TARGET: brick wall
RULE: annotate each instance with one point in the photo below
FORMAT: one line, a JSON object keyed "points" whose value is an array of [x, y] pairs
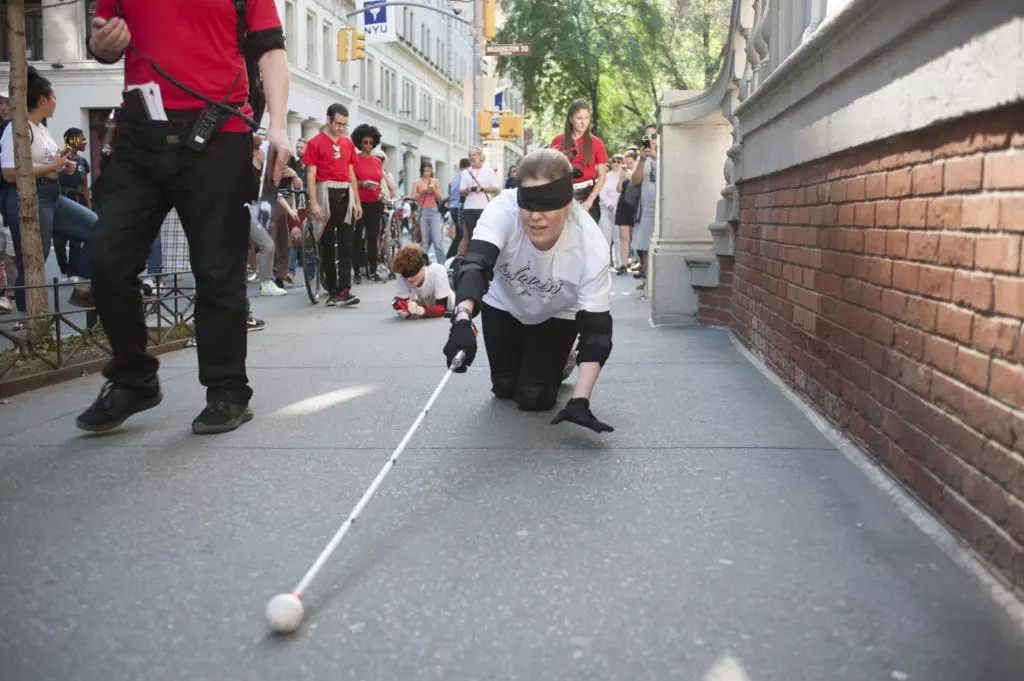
{"points": [[715, 304], [886, 285]]}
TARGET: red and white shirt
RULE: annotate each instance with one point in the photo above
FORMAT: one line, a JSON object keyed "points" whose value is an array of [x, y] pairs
{"points": [[600, 155], [196, 41], [331, 158]]}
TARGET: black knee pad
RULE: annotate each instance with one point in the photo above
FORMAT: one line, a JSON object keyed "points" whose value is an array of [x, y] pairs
{"points": [[503, 386], [535, 397]]}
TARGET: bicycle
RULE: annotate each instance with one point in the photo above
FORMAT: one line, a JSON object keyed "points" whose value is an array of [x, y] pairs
{"points": [[309, 251]]}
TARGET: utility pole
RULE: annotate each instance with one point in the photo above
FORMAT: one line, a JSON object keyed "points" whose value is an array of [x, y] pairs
{"points": [[28, 203], [478, 55]]}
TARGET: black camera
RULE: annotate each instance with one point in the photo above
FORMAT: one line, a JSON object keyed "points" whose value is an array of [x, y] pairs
{"points": [[647, 142]]}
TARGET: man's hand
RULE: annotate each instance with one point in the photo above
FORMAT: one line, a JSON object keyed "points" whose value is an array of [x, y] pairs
{"points": [[109, 38], [462, 337], [318, 212], [60, 162], [577, 410], [278, 144], [649, 153], [588, 204], [358, 211]]}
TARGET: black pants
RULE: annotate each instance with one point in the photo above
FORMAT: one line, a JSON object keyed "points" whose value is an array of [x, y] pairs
{"points": [[366, 253], [67, 262], [336, 243], [470, 216], [526, 360], [582, 195], [453, 247], [149, 173]]}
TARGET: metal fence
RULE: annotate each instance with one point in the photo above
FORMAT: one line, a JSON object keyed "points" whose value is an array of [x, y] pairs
{"points": [[72, 341]]}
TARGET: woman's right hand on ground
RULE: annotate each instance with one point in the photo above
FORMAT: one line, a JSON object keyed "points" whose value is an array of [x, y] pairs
{"points": [[462, 337], [318, 213]]}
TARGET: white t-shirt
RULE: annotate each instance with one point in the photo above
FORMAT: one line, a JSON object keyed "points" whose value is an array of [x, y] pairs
{"points": [[485, 177], [435, 287], [44, 148], [534, 286]]}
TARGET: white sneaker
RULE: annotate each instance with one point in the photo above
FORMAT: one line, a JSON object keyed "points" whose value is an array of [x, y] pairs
{"points": [[269, 288], [5, 305]]}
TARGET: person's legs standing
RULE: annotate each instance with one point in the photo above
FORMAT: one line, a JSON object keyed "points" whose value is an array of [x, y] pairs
{"points": [[430, 224], [280, 233], [469, 220], [546, 347], [216, 226], [77, 224], [503, 340], [329, 259], [60, 251], [261, 239], [453, 248], [338, 200], [359, 248], [133, 210], [371, 226], [624, 231], [10, 199]]}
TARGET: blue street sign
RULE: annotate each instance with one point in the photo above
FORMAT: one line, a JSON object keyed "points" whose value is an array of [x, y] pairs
{"points": [[378, 17]]}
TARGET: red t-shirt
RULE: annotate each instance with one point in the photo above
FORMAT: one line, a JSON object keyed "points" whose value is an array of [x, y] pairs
{"points": [[600, 155], [331, 158], [369, 169], [196, 41]]}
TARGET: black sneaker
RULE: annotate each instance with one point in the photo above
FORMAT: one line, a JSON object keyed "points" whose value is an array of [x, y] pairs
{"points": [[221, 417], [279, 282], [81, 296], [621, 269], [332, 300], [346, 299], [374, 277], [253, 324], [115, 404]]}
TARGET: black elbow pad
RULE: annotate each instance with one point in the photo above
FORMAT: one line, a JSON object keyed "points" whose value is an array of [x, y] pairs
{"points": [[259, 42], [595, 336], [475, 272]]}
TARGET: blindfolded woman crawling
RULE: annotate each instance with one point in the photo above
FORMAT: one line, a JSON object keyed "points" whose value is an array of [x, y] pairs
{"points": [[536, 272]]}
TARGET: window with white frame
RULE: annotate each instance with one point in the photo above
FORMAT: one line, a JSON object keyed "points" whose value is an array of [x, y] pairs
{"points": [[371, 80], [329, 71], [291, 27]]}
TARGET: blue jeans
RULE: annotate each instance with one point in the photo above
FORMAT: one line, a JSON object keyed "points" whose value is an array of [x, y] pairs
{"points": [[155, 263], [57, 215], [430, 226]]}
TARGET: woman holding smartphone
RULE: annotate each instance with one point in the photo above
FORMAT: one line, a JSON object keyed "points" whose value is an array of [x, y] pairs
{"points": [[427, 192], [369, 176]]}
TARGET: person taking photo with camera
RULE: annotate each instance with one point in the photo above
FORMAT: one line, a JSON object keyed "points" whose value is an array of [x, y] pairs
{"points": [[588, 156]]}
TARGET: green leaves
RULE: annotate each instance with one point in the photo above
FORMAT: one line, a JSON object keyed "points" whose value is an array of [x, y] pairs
{"points": [[620, 55]]}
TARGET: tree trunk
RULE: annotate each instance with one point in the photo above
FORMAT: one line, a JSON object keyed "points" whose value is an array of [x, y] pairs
{"points": [[28, 205]]}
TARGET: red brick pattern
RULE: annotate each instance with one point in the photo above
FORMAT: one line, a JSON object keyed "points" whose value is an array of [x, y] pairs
{"points": [[716, 304], [886, 285]]}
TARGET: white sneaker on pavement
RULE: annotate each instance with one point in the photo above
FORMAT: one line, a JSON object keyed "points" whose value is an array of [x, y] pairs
{"points": [[269, 288]]}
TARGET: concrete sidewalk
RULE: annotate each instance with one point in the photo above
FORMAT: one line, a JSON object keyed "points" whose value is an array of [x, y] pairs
{"points": [[716, 528]]}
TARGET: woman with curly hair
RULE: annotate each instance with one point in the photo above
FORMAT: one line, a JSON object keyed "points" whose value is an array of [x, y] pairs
{"points": [[423, 289], [369, 176]]}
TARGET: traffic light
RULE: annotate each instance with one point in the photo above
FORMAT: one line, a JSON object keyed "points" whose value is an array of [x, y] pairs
{"points": [[489, 29], [343, 44], [358, 44], [510, 126], [484, 122]]}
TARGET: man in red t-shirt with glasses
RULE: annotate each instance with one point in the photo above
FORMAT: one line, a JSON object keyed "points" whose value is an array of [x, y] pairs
{"points": [[190, 55], [331, 183]]}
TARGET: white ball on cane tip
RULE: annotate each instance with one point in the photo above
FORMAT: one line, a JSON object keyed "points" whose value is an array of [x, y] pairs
{"points": [[285, 611]]}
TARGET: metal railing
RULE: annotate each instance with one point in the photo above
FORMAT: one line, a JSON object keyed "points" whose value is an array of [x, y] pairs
{"points": [[73, 341]]}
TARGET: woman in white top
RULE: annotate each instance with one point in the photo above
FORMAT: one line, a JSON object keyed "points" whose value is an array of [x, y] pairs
{"points": [[537, 272], [57, 214]]}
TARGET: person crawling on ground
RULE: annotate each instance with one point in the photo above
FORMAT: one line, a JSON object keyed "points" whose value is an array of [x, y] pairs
{"points": [[423, 288]]}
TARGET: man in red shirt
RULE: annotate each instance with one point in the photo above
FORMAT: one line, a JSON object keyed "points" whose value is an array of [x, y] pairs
{"points": [[205, 175], [331, 180]]}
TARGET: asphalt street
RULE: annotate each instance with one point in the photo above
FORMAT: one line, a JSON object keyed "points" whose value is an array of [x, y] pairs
{"points": [[715, 535]]}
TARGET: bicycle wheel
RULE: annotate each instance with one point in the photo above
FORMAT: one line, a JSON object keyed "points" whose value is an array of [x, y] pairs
{"points": [[311, 263]]}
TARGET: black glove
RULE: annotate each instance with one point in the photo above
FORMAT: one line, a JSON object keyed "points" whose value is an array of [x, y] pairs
{"points": [[578, 411], [461, 337]]}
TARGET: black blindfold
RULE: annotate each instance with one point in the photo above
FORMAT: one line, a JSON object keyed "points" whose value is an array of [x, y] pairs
{"points": [[547, 197]]}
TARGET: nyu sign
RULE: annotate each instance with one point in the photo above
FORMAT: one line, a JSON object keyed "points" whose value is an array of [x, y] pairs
{"points": [[378, 22]]}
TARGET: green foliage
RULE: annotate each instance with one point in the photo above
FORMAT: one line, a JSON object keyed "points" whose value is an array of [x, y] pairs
{"points": [[620, 55]]}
